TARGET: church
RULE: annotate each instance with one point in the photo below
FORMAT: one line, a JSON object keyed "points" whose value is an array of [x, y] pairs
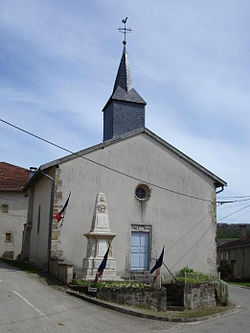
{"points": [[133, 193]]}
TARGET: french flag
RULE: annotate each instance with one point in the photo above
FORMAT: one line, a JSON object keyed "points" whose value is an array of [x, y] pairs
{"points": [[157, 266], [102, 266], [61, 214]]}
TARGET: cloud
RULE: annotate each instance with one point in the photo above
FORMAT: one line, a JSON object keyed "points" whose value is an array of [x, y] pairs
{"points": [[189, 60]]}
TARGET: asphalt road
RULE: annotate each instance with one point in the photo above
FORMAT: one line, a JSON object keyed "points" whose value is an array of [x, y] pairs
{"points": [[28, 305]]}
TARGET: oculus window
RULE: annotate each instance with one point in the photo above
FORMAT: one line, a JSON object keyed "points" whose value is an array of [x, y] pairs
{"points": [[142, 192]]}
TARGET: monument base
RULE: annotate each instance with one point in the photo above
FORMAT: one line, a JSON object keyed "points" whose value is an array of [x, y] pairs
{"points": [[90, 266]]}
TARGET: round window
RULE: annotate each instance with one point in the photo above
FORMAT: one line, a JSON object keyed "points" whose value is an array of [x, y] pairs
{"points": [[142, 192]]}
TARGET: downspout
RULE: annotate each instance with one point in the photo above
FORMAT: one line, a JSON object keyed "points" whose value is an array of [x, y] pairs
{"points": [[222, 189], [50, 216]]}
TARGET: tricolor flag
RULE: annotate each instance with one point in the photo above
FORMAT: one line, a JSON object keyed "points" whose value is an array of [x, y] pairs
{"points": [[102, 266], [157, 266], [61, 214]]}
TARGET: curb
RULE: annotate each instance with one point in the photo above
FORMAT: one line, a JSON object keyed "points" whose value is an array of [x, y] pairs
{"points": [[140, 314]]}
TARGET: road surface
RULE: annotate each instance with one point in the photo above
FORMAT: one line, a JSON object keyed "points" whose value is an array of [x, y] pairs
{"points": [[29, 305]]}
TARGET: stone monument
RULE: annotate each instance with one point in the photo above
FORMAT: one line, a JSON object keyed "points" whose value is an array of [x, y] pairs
{"points": [[99, 238]]}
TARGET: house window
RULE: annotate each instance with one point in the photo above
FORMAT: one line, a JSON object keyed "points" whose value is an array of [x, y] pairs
{"points": [[8, 237], [5, 209], [38, 218], [142, 192]]}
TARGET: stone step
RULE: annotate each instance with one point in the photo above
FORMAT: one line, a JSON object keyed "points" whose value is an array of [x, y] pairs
{"points": [[175, 308]]}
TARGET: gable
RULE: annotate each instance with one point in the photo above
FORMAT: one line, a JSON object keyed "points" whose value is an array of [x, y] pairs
{"points": [[118, 140]]}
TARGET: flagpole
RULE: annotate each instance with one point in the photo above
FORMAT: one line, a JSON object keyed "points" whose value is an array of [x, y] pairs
{"points": [[169, 271]]}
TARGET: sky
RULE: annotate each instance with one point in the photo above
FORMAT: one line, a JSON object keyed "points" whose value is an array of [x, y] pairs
{"points": [[188, 59]]}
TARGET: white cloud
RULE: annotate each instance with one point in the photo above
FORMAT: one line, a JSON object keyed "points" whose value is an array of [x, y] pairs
{"points": [[189, 60]]}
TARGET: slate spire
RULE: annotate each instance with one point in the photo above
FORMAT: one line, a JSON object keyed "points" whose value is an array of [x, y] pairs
{"points": [[125, 109], [123, 78], [123, 88]]}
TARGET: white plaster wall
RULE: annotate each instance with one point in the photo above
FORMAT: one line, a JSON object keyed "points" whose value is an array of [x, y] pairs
{"points": [[184, 225], [39, 241], [13, 221]]}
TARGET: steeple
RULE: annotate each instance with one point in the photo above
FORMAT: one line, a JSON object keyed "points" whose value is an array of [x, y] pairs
{"points": [[125, 109], [123, 88], [123, 78]]}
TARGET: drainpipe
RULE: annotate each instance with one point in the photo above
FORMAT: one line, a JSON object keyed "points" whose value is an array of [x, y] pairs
{"points": [[50, 215], [222, 189]]}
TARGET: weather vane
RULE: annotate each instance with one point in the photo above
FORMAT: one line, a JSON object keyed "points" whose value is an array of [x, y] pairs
{"points": [[124, 30]]}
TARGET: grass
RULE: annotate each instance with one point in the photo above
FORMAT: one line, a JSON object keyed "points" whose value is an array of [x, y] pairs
{"points": [[196, 313], [242, 284], [206, 312], [228, 239]]}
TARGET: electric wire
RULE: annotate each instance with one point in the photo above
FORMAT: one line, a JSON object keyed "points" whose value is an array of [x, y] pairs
{"points": [[190, 249], [224, 217], [184, 235], [102, 165], [221, 202], [235, 197], [230, 207]]}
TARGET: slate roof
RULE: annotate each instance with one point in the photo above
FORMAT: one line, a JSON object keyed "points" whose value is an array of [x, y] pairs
{"points": [[245, 242], [218, 181], [12, 177], [123, 89]]}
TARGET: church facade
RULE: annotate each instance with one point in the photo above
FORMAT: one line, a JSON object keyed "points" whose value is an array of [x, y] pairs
{"points": [[133, 192]]}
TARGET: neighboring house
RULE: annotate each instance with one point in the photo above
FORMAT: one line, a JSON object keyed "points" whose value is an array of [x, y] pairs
{"points": [[13, 208], [237, 253], [134, 188]]}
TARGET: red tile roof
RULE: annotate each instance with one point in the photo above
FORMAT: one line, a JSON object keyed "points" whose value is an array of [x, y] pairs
{"points": [[12, 177]]}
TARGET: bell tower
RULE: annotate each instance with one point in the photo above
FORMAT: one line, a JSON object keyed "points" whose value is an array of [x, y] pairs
{"points": [[125, 109]]}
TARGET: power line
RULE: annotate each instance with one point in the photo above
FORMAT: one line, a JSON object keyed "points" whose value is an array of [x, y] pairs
{"points": [[190, 249], [231, 201], [184, 235], [230, 207], [233, 213], [239, 216], [102, 165], [235, 197]]}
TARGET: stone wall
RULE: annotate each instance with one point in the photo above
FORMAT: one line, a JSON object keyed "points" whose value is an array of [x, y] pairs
{"points": [[61, 271], [154, 299], [199, 296], [56, 253], [186, 296]]}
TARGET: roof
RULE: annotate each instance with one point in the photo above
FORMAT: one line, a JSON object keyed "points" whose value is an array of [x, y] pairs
{"points": [[12, 177], [123, 89], [243, 242], [218, 181]]}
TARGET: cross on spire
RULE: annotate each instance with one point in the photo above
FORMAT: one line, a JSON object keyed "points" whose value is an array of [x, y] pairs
{"points": [[124, 30]]}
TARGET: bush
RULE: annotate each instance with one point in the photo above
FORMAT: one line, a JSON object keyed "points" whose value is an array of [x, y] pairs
{"points": [[225, 269], [189, 276], [111, 284], [185, 270]]}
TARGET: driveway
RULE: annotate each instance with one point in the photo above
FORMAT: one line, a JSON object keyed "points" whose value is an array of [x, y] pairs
{"points": [[29, 305]]}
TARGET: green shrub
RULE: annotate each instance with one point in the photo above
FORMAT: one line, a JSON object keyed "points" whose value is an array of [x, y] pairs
{"points": [[225, 269], [185, 270], [189, 276], [110, 284]]}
